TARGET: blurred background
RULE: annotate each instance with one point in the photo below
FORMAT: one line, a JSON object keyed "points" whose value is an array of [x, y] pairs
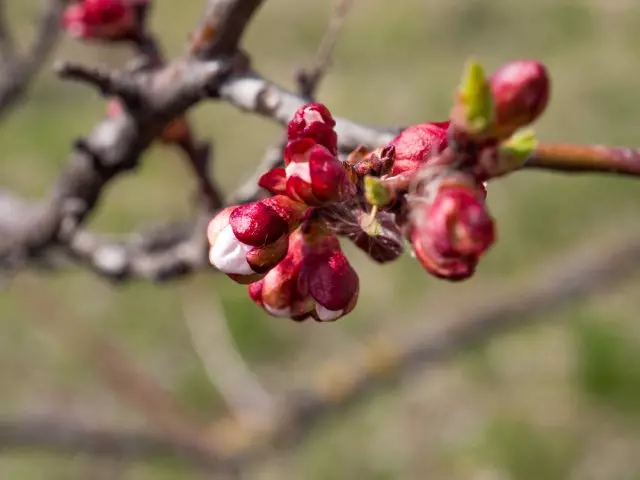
{"points": [[556, 399]]}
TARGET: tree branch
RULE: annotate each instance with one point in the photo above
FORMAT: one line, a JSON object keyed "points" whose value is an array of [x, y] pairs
{"points": [[252, 93], [16, 74], [586, 159], [339, 384], [222, 27], [70, 438], [593, 267]]}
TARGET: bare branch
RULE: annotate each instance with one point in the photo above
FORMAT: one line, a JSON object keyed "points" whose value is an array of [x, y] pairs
{"points": [[113, 147], [252, 93], [340, 383], [222, 26], [70, 438], [135, 387], [353, 376], [247, 399], [17, 73], [586, 159], [309, 79], [107, 83]]}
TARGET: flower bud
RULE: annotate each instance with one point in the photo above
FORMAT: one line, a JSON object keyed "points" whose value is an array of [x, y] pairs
{"points": [[520, 92], [330, 279], [415, 145], [454, 268], [453, 230], [314, 121], [314, 279], [314, 175], [248, 240], [100, 19]]}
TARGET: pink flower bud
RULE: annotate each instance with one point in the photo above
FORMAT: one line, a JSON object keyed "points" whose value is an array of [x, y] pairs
{"points": [[314, 121], [331, 280], [459, 223], [454, 268], [415, 145], [521, 92], [314, 279], [248, 240], [314, 175], [450, 233], [103, 19]]}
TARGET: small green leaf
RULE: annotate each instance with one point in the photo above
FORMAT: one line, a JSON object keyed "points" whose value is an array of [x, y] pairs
{"points": [[475, 94], [517, 149], [376, 192]]}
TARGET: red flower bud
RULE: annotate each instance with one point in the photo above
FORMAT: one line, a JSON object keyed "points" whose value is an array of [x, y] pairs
{"points": [[415, 145], [451, 232], [458, 221], [314, 175], [103, 19], [314, 279], [520, 92], [248, 240], [454, 268], [314, 121]]}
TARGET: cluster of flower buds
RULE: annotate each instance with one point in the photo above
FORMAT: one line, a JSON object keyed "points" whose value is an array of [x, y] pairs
{"points": [[283, 246], [314, 280], [428, 185], [108, 20]]}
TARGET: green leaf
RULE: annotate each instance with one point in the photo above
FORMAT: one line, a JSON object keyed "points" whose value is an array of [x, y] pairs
{"points": [[475, 94], [517, 149]]}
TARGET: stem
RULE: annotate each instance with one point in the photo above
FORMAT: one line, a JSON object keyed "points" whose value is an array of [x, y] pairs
{"points": [[586, 159]]}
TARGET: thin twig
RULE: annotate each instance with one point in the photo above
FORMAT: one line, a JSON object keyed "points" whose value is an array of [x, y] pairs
{"points": [[17, 73], [309, 79], [248, 400], [586, 159]]}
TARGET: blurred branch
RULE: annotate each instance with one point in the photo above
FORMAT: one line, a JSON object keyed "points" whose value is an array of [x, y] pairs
{"points": [[309, 79], [208, 327], [594, 267], [17, 72], [222, 26], [134, 386], [66, 437]]}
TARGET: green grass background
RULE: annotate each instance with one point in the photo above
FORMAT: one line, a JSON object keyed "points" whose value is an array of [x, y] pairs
{"points": [[557, 401]]}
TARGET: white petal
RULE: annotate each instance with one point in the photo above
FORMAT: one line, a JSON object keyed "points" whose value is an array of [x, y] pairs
{"points": [[229, 255], [327, 315], [278, 312], [300, 170], [310, 116]]}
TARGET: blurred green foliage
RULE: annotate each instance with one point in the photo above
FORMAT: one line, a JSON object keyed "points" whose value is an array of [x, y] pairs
{"points": [[552, 402]]}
